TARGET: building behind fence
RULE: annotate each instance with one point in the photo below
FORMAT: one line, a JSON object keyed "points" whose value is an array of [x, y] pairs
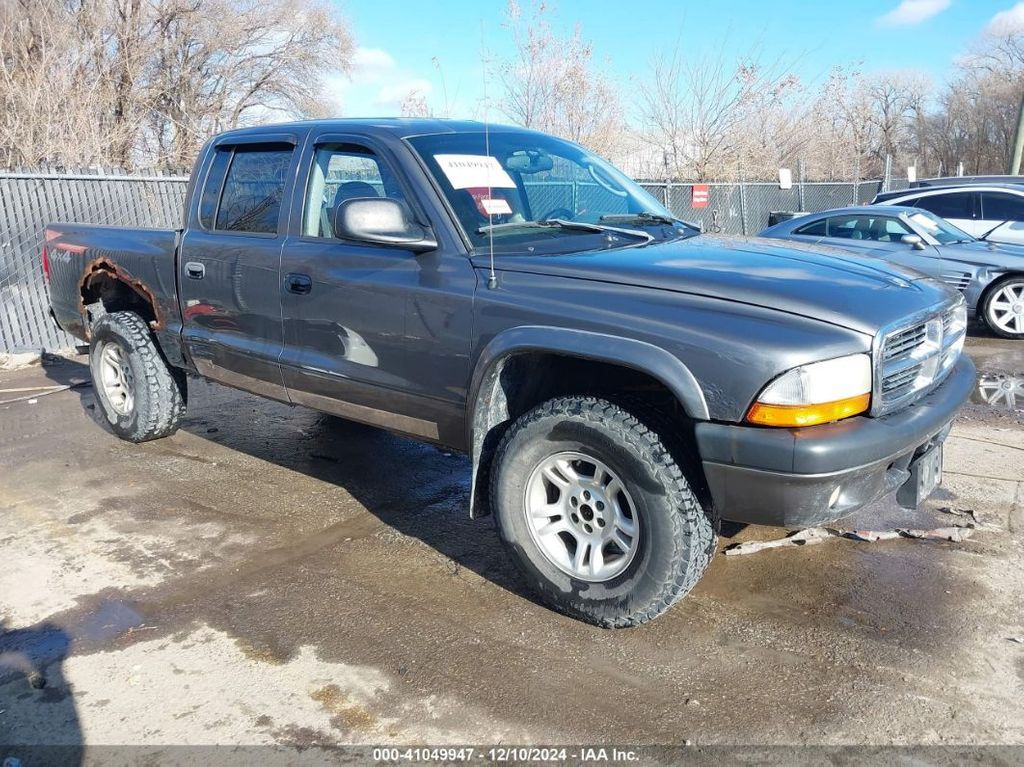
{"points": [[29, 201]]}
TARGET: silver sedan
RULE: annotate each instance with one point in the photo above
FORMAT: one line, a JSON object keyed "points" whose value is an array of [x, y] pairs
{"points": [[990, 275]]}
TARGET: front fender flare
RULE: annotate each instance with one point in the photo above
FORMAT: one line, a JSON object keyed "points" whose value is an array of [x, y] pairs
{"points": [[487, 404]]}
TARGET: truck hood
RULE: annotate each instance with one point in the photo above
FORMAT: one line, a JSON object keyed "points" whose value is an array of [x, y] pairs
{"points": [[832, 285]]}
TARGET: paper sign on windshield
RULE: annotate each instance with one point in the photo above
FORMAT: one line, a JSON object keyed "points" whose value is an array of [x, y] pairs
{"points": [[469, 170], [495, 206]]}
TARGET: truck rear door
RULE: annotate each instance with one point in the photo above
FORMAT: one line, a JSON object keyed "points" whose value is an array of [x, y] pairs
{"points": [[229, 263]]}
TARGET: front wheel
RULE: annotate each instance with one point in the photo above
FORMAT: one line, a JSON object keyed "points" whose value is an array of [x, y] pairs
{"points": [[597, 513], [1003, 308], [138, 392]]}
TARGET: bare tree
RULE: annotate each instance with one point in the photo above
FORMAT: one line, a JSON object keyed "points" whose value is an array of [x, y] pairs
{"points": [[133, 82], [223, 63], [550, 83], [831, 150], [698, 111], [894, 100], [415, 105]]}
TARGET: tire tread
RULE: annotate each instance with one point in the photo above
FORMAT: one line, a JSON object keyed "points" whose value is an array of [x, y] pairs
{"points": [[165, 399], [693, 527]]}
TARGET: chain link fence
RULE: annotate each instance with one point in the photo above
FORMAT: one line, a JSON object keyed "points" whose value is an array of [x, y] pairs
{"points": [[29, 201], [744, 208]]}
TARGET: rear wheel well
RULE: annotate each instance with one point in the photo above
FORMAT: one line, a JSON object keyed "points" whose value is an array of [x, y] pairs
{"points": [[993, 285], [104, 292], [524, 380]]}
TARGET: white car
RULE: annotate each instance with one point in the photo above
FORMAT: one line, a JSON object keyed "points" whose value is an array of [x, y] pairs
{"points": [[995, 210]]}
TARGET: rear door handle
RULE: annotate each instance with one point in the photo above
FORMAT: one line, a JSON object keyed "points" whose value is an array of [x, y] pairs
{"points": [[300, 284], [195, 270]]}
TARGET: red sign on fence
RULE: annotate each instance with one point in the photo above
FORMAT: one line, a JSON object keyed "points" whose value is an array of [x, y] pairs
{"points": [[699, 196]]}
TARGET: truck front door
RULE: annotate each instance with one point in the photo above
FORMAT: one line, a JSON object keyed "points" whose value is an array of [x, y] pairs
{"points": [[372, 332]]}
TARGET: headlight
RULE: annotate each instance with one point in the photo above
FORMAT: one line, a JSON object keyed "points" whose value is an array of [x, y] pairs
{"points": [[958, 319], [820, 392]]}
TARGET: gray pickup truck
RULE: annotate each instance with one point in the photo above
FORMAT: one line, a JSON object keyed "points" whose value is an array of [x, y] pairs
{"points": [[620, 381]]}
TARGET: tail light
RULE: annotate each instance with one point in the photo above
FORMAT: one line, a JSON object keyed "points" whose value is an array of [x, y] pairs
{"points": [[46, 263]]}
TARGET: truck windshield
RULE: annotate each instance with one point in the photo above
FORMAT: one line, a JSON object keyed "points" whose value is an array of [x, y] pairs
{"points": [[529, 192]]}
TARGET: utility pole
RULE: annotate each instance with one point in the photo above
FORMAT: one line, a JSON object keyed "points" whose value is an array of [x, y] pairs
{"points": [[1018, 142]]}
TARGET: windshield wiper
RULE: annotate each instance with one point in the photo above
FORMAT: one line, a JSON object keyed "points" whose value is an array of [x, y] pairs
{"points": [[984, 237], [643, 217], [561, 223]]}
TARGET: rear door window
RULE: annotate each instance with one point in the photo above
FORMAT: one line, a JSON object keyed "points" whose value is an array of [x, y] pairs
{"points": [[253, 189], [1002, 206], [952, 205], [815, 229], [212, 187]]}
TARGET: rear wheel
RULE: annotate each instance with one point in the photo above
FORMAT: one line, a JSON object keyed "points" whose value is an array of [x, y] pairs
{"points": [[597, 512], [1003, 308], [140, 395]]}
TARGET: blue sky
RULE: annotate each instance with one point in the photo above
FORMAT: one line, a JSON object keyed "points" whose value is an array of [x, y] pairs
{"points": [[398, 42]]}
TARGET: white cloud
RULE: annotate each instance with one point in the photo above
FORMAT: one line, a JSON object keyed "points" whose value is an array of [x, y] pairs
{"points": [[376, 84], [372, 64], [911, 12], [1010, 20]]}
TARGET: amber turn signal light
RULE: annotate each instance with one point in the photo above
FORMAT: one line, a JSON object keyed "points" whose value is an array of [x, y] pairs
{"points": [[808, 415]]}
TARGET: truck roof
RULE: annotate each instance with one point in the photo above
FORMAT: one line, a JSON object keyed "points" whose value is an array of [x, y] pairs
{"points": [[400, 127]]}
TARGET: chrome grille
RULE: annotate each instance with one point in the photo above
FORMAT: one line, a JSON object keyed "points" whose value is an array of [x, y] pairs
{"points": [[916, 356], [904, 341], [958, 280], [894, 382]]}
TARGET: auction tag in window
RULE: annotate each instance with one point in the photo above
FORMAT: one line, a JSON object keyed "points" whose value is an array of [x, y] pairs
{"points": [[467, 170], [495, 206]]}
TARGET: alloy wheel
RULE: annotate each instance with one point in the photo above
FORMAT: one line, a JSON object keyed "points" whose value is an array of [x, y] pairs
{"points": [[116, 378], [1006, 307], [581, 516]]}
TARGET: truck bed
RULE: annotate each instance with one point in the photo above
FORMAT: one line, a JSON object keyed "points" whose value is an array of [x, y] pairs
{"points": [[83, 256]]}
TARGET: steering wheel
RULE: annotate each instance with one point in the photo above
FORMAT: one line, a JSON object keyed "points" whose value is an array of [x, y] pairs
{"points": [[563, 213]]}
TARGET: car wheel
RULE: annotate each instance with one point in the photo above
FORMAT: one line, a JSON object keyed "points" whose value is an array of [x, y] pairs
{"points": [[597, 513], [140, 395], [1003, 308]]}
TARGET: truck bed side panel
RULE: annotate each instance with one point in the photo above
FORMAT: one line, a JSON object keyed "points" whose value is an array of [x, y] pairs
{"points": [[142, 258]]}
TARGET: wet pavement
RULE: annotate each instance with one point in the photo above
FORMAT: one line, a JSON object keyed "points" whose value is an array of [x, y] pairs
{"points": [[272, 575]]}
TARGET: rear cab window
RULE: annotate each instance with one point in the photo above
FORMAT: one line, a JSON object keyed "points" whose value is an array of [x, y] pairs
{"points": [[244, 188]]}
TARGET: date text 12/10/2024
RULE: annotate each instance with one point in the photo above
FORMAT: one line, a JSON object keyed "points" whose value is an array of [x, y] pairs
{"points": [[505, 754]]}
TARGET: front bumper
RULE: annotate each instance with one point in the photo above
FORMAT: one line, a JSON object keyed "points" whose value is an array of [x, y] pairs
{"points": [[788, 477]]}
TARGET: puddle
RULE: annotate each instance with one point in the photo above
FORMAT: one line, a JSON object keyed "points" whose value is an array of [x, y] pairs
{"points": [[25, 651], [1002, 392]]}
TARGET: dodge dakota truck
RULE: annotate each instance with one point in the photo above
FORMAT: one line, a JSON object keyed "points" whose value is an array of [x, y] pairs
{"points": [[620, 381]]}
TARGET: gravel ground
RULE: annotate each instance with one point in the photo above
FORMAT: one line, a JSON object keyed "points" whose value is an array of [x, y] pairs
{"points": [[269, 575]]}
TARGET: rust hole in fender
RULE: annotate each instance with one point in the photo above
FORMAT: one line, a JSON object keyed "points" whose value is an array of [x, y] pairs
{"points": [[101, 270]]}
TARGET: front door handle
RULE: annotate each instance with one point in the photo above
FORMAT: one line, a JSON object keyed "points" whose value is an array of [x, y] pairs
{"points": [[300, 284], [195, 270]]}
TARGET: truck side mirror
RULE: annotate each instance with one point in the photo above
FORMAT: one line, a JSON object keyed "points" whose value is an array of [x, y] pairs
{"points": [[382, 221], [913, 240]]}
